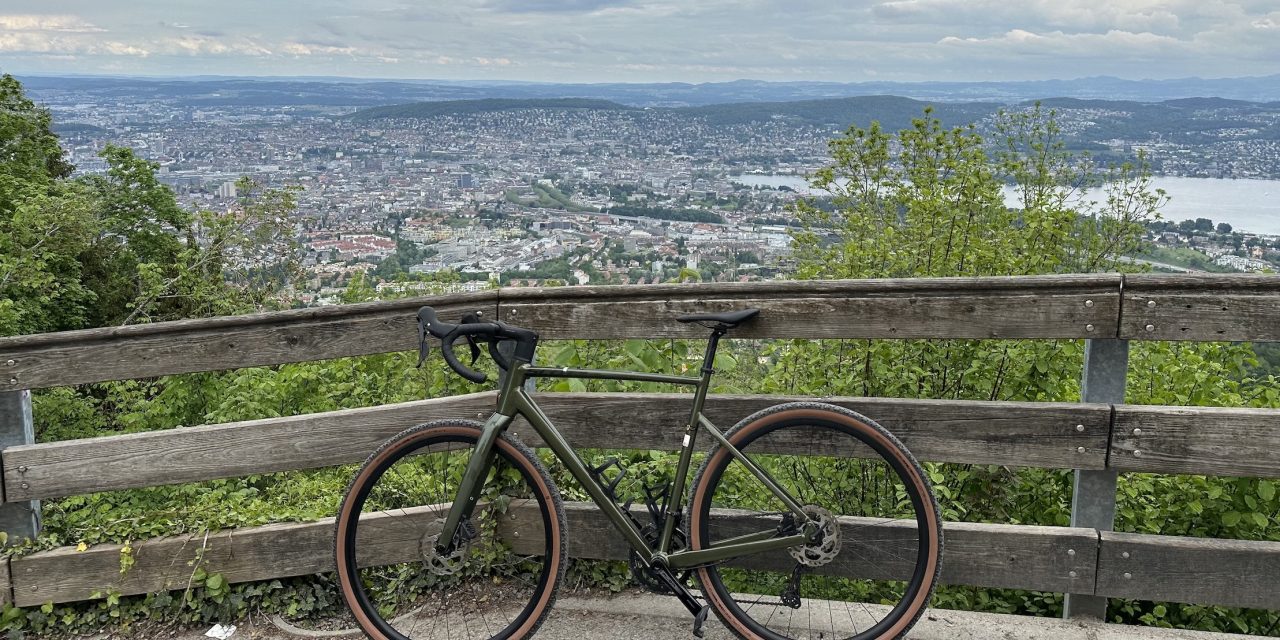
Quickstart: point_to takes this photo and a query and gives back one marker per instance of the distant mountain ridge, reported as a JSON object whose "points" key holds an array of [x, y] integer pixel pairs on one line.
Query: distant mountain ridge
{"points": [[354, 92], [455, 107], [1190, 120]]}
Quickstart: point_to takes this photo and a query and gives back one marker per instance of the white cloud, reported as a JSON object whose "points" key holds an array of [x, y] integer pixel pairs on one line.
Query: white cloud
{"points": [[656, 40], [29, 42], [55, 23], [1109, 43], [300, 49]]}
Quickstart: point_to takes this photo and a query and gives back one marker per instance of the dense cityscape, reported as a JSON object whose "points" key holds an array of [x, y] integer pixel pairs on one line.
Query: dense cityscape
{"points": [[532, 196]]}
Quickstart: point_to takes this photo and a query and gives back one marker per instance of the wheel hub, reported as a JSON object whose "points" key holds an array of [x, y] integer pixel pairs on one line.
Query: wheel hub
{"points": [[827, 545], [448, 562]]}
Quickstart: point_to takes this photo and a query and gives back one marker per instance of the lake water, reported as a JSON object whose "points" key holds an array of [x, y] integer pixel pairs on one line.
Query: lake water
{"points": [[1247, 205]]}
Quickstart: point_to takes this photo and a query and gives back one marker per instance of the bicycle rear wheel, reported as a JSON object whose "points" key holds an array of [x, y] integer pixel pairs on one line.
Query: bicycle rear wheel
{"points": [[871, 575], [499, 580]]}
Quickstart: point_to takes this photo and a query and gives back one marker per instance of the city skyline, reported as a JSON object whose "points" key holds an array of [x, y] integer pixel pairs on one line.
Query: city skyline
{"points": [[647, 41]]}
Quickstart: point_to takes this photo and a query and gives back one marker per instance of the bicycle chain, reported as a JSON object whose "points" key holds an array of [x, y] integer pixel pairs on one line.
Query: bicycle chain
{"points": [[777, 603]]}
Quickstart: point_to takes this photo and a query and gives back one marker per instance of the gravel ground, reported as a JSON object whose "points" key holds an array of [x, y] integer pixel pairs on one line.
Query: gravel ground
{"points": [[641, 616]]}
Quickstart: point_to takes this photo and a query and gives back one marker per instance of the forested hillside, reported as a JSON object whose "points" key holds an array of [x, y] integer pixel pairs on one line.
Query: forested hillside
{"points": [[1189, 120]]}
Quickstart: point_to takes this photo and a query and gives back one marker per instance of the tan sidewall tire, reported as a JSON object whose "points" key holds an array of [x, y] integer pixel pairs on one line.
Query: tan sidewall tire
{"points": [[516, 452], [763, 420]]}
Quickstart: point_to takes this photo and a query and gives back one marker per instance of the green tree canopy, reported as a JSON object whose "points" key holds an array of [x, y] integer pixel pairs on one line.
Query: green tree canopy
{"points": [[117, 248], [927, 201]]}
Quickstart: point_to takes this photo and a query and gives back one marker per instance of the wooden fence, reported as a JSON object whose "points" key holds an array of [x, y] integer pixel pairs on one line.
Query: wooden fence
{"points": [[1096, 439]]}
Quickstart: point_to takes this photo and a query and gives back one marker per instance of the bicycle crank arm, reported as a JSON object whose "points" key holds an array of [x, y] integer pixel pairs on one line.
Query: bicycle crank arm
{"points": [[681, 592]]}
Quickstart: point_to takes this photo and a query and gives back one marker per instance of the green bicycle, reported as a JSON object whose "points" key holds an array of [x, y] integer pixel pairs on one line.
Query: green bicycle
{"points": [[805, 520]]}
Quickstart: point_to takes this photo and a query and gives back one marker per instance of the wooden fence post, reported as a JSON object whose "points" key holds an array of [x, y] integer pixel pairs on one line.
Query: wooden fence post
{"points": [[1093, 500], [18, 519]]}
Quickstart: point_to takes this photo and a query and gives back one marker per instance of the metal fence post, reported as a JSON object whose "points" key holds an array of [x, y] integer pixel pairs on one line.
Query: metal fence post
{"points": [[1093, 500], [18, 519]]}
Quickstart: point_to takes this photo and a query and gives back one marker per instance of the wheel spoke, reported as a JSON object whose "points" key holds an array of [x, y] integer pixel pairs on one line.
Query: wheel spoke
{"points": [[483, 589], [869, 502]]}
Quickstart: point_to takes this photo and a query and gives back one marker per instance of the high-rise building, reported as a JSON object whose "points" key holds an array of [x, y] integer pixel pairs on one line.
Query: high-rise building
{"points": [[227, 190], [465, 181]]}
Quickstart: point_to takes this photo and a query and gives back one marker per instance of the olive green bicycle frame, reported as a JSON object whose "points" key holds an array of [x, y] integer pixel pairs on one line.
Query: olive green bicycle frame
{"points": [[514, 401]]}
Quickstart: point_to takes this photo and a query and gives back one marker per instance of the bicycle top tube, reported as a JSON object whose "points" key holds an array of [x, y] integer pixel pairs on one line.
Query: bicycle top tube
{"points": [[474, 330]]}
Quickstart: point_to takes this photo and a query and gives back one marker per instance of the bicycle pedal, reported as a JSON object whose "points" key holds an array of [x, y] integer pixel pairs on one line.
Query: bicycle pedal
{"points": [[699, 620]]}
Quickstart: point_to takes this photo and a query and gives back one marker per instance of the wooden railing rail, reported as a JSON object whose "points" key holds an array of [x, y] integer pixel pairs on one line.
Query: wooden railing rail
{"points": [[1036, 307], [1006, 433], [1101, 438]]}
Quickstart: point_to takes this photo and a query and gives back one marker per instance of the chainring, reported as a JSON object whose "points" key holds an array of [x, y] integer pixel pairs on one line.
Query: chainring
{"points": [[642, 573]]}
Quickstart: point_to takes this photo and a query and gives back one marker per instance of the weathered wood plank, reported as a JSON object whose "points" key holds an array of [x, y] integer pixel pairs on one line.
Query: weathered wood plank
{"points": [[240, 555], [278, 550], [1197, 440], [1201, 307], [184, 346], [6, 584], [220, 451], [979, 554], [1027, 307], [1186, 308], [1235, 573], [1003, 556], [1018, 434]]}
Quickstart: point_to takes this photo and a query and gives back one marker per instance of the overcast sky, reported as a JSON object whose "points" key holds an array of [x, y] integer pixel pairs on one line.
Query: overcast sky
{"points": [[646, 41]]}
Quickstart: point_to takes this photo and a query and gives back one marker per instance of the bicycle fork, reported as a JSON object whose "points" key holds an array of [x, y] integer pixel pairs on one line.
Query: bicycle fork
{"points": [[472, 481]]}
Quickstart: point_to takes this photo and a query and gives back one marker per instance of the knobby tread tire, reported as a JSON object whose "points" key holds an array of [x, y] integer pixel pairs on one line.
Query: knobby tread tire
{"points": [[521, 449], [695, 489]]}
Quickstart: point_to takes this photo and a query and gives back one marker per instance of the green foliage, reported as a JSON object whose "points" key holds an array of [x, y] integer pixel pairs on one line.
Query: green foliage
{"points": [[926, 202], [548, 196], [407, 254], [208, 599], [116, 248]]}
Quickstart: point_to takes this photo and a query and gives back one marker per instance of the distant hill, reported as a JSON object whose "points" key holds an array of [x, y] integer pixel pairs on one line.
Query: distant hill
{"points": [[1184, 120], [1187, 120], [1208, 103], [893, 112], [356, 92], [455, 107], [1194, 112]]}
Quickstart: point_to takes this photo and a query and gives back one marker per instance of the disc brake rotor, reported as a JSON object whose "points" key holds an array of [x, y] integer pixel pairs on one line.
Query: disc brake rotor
{"points": [[443, 564], [828, 545]]}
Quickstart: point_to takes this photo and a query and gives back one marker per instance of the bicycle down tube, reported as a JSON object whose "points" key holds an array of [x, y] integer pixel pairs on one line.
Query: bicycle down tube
{"points": [[514, 401]]}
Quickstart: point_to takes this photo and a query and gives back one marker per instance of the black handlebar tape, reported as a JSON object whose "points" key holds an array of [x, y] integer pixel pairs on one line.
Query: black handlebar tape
{"points": [[496, 354], [434, 325], [463, 370]]}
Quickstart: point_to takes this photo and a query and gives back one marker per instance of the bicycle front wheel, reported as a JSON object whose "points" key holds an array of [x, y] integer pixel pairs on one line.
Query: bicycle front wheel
{"points": [[499, 579], [870, 574]]}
